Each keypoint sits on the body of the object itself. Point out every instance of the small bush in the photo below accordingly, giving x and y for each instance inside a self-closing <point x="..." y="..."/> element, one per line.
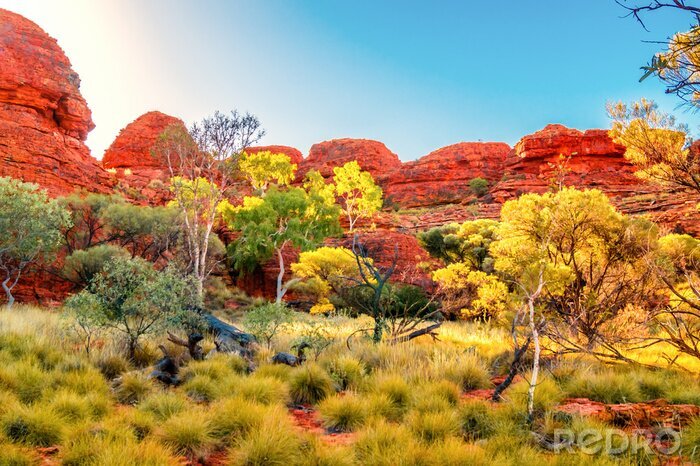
<point x="235" y="417"/>
<point x="84" y="382"/>
<point x="188" y="433"/>
<point x="346" y="371"/>
<point x="606" y="387"/>
<point x="132" y="387"/>
<point x="434" y="426"/>
<point x="146" y="453"/>
<point x="267" y="320"/>
<point x="163" y="405"/>
<point x="70" y="406"/>
<point x="274" y="442"/>
<point x="386" y="444"/>
<point x="13" y="455"/>
<point x="113" y="365"/>
<point x="33" y="425"/>
<point x="379" y="405"/>
<point x="202" y="389"/>
<point x="25" y="379"/>
<point x="396" y="389"/>
<point x="436" y="396"/>
<point x="479" y="186"/>
<point x="278" y="371"/>
<point x="468" y="372"/>
<point x="477" y="420"/>
<point x="343" y="413"/>
<point x="264" y="390"/>
<point x="310" y="384"/>
<point x="454" y="452"/>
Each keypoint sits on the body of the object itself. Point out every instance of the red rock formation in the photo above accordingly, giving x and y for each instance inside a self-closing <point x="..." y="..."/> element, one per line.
<point x="132" y="147"/>
<point x="372" y="156"/>
<point x="130" y="157"/>
<point x="44" y="120"/>
<point x="294" y="154"/>
<point x="442" y="177"/>
<point x="559" y="154"/>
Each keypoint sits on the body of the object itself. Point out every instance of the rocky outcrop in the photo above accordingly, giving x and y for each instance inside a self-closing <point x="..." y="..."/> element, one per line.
<point x="372" y="156"/>
<point x="443" y="176"/>
<point x="132" y="147"/>
<point x="44" y="120"/>
<point x="561" y="155"/>
<point x="141" y="176"/>
<point x="294" y="154"/>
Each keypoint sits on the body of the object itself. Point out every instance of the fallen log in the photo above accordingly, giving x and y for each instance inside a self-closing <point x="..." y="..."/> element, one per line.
<point x="229" y="339"/>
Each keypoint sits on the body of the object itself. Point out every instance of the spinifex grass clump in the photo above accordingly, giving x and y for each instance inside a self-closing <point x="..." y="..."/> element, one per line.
<point x="310" y="384"/>
<point x="189" y="433"/>
<point x="343" y="413"/>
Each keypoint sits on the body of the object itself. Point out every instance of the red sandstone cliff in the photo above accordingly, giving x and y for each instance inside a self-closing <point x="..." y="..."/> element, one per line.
<point x="44" y="120"/>
<point x="442" y="177"/>
<point x="372" y="156"/>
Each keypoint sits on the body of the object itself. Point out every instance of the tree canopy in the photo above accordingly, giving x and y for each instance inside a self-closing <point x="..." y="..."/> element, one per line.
<point x="30" y="229"/>
<point x="265" y="167"/>
<point x="357" y="192"/>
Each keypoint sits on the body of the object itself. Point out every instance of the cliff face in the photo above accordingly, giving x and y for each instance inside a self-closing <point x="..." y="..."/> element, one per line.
<point x="141" y="176"/>
<point x="443" y="176"/>
<point x="372" y="156"/>
<point x="44" y="120"/>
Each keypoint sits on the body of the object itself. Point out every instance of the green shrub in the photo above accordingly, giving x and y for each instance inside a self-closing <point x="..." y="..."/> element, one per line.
<point x="263" y="390"/>
<point x="385" y="444"/>
<point x="606" y="387"/>
<point x="202" y="389"/>
<point x="395" y="388"/>
<point x="469" y="372"/>
<point x="310" y="384"/>
<point x="274" y="442"/>
<point x="189" y="433"/>
<point x="379" y="405"/>
<point x="70" y="406"/>
<point x="343" y="413"/>
<point x="267" y="320"/>
<point x="479" y="186"/>
<point x="454" y="452"/>
<point x="13" y="455"/>
<point x="113" y="365"/>
<point x="434" y="426"/>
<point x="235" y="417"/>
<point x="477" y="420"/>
<point x="33" y="425"/>
<point x="346" y="371"/>
<point x="163" y="405"/>
<point x="132" y="387"/>
<point x="26" y="380"/>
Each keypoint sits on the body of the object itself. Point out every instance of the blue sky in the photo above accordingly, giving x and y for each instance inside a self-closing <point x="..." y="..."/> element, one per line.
<point x="416" y="75"/>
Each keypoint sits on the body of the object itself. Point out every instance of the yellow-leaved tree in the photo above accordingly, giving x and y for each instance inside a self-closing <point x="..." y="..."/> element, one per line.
<point x="323" y="273"/>
<point x="359" y="195"/>
<point x="265" y="167"/>
<point x="656" y="144"/>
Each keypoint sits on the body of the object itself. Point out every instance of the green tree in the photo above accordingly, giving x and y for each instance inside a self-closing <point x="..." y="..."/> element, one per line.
<point x="269" y="225"/>
<point x="202" y="164"/>
<point x="468" y="242"/>
<point x="267" y="320"/>
<point x="359" y="196"/>
<point x="82" y="265"/>
<point x="265" y="167"/>
<point x="88" y="226"/>
<point x="134" y="299"/>
<point x="30" y="230"/>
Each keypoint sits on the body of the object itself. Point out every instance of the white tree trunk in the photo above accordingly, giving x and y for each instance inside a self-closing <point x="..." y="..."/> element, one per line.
<point x="280" y="276"/>
<point x="8" y="292"/>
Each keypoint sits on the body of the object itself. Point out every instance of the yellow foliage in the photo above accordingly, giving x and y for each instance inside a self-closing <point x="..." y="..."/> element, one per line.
<point x="263" y="168"/>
